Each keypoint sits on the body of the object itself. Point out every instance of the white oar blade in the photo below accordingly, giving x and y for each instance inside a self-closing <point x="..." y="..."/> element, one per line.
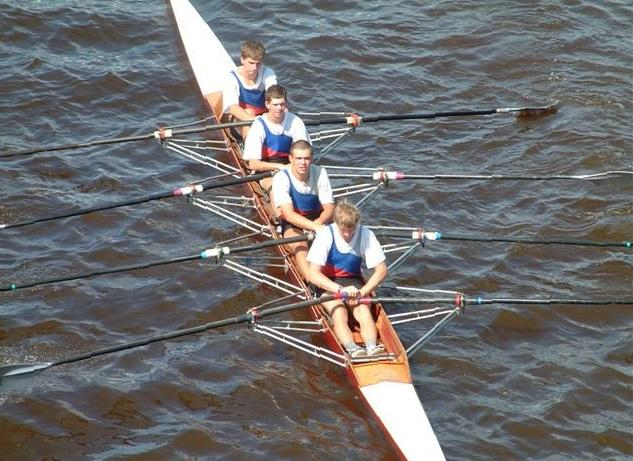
<point x="16" y="370"/>
<point x="615" y="178"/>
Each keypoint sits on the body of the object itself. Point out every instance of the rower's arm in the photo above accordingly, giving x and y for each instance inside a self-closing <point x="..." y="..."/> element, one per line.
<point x="319" y="279"/>
<point x="326" y="215"/>
<point x="291" y="216"/>
<point x="259" y="165"/>
<point x="240" y="113"/>
<point x="379" y="274"/>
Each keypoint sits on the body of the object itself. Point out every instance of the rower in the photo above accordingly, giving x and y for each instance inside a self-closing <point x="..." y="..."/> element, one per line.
<point x="268" y="142"/>
<point x="335" y="260"/>
<point x="245" y="86"/>
<point x="303" y="199"/>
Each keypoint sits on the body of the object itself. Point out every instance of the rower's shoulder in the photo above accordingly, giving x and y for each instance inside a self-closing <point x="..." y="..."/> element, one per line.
<point x="317" y="171"/>
<point x="267" y="72"/>
<point x="292" y="118"/>
<point x="366" y="233"/>
<point x="282" y="176"/>
<point x="324" y="236"/>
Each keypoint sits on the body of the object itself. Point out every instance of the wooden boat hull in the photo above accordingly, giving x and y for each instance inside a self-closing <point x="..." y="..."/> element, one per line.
<point x="385" y="385"/>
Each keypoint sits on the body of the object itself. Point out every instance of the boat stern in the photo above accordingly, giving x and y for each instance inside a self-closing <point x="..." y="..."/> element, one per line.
<point x="399" y="411"/>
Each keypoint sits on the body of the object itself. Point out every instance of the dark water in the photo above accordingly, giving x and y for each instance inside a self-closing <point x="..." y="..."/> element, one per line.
<point x="503" y="382"/>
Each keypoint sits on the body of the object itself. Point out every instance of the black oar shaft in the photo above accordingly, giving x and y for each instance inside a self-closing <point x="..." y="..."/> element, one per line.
<point x="496" y="177"/>
<point x="520" y="111"/>
<point x="143" y="137"/>
<point x="206" y="185"/>
<point x="395" y="117"/>
<point x="422" y="116"/>
<point x="162" y="134"/>
<point x="270" y="243"/>
<point x="523" y="240"/>
<point x="85" y="275"/>
<point x="88" y="210"/>
<point x="471" y="301"/>
<point x="210" y="253"/>
<point x="213" y="184"/>
<point x="161" y="337"/>
<point x="382" y="175"/>
<point x="250" y="316"/>
<point x="93" y="143"/>
<point x="551" y="301"/>
<point x="536" y="241"/>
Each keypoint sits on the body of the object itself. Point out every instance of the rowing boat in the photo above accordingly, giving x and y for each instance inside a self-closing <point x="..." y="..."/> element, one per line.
<point x="385" y="382"/>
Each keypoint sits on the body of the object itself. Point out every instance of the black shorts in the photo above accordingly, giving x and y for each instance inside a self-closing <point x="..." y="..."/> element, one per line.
<point x="342" y="281"/>
<point x="283" y="224"/>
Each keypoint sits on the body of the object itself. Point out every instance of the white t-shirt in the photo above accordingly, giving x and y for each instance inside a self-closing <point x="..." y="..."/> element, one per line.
<point x="231" y="90"/>
<point x="368" y="248"/>
<point x="318" y="182"/>
<point x="291" y="126"/>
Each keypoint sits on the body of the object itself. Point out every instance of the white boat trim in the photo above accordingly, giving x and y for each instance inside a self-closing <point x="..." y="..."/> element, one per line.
<point x="200" y="57"/>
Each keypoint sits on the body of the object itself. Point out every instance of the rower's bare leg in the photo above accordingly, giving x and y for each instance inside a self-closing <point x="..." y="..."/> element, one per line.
<point x="301" y="253"/>
<point x="244" y="131"/>
<point x="248" y="127"/>
<point x="300" y="250"/>
<point x="338" y="312"/>
<point x="368" y="330"/>
<point x="267" y="184"/>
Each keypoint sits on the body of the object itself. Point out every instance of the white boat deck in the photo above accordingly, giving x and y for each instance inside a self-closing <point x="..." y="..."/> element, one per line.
<point x="399" y="409"/>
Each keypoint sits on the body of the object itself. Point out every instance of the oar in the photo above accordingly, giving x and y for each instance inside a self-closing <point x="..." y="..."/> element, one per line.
<point x="381" y="175"/>
<point x="160" y="135"/>
<point x="163" y="134"/>
<point x="461" y="300"/>
<point x="250" y="316"/>
<point x="182" y="191"/>
<point x="518" y="111"/>
<point x="217" y="252"/>
<point x="419" y="234"/>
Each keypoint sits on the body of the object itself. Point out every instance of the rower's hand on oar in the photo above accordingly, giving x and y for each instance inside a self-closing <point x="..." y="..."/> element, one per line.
<point x="353" y="119"/>
<point x="353" y="295"/>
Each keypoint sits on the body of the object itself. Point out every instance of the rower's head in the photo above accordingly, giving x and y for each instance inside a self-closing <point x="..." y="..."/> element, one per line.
<point x="252" y="56"/>
<point x="347" y="218"/>
<point x="300" y="158"/>
<point x="276" y="101"/>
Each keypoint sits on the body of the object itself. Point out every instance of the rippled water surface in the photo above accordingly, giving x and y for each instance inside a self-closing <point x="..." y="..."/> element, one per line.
<point x="502" y="382"/>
